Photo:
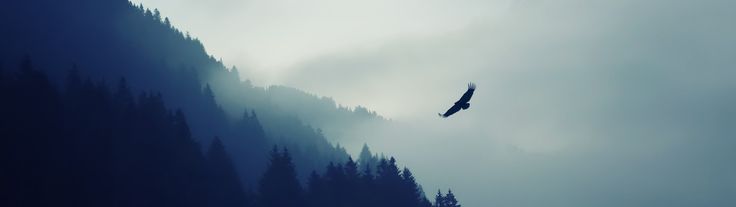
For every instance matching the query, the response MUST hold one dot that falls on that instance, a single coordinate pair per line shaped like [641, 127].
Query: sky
[579, 102]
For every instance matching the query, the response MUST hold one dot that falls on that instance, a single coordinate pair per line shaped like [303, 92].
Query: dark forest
[104, 103]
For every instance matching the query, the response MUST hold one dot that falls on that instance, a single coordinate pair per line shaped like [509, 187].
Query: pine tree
[224, 185]
[208, 94]
[450, 200]
[278, 186]
[123, 97]
[388, 184]
[351, 170]
[156, 15]
[410, 190]
[351, 182]
[235, 73]
[439, 200]
[367, 187]
[366, 159]
[335, 178]
[317, 195]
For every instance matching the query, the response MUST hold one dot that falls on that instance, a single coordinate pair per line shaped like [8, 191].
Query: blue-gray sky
[579, 103]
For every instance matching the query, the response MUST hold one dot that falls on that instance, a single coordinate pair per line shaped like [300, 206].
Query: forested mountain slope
[110, 39]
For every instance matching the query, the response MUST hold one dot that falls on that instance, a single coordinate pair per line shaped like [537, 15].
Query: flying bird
[462, 103]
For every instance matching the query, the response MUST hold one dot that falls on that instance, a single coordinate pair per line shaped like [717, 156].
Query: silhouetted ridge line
[93, 144]
[108, 39]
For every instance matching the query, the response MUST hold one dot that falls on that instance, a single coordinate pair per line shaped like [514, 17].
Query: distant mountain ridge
[109, 105]
[338, 123]
[110, 39]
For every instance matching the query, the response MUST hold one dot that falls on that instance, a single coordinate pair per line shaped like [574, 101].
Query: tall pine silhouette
[279, 186]
[224, 188]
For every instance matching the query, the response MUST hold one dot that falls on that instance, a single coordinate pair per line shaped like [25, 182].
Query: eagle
[462, 103]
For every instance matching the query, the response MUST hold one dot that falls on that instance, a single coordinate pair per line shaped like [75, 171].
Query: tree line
[340, 185]
[109, 39]
[91, 144]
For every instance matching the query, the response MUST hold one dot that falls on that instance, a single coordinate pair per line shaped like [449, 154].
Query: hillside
[109, 103]
[110, 39]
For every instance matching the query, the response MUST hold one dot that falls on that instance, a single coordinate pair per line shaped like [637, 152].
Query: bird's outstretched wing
[468, 94]
[451, 111]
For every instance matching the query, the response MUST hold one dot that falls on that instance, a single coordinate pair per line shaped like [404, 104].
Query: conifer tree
[279, 186]
[224, 185]
[351, 182]
[411, 194]
[351, 172]
[450, 200]
[317, 194]
[365, 158]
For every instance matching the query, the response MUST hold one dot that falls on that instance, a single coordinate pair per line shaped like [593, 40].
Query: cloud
[265, 36]
[579, 103]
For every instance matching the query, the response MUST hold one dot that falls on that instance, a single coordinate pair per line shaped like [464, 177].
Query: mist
[579, 103]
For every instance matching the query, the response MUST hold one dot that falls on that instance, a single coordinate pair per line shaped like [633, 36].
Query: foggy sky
[579, 103]
[267, 36]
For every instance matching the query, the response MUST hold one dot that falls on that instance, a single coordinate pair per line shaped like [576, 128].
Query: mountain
[88, 144]
[110, 39]
[338, 123]
[176, 123]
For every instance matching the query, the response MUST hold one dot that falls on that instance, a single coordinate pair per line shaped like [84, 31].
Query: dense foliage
[90, 145]
[173, 127]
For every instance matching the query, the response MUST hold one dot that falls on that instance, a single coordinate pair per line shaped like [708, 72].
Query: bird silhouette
[462, 103]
